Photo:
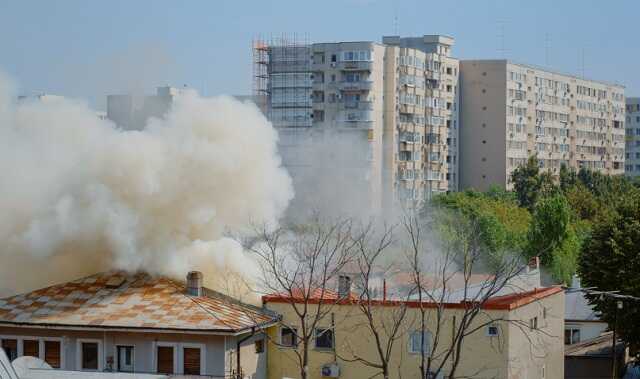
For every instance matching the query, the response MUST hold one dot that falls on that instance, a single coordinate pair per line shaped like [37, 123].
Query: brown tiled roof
[122, 300]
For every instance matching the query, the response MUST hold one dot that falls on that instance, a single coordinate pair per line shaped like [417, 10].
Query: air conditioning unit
[331, 370]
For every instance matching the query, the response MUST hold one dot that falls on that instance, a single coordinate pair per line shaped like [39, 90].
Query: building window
[324, 338]
[492, 331]
[125, 358]
[52, 353]
[191, 360]
[334, 57]
[164, 360]
[571, 336]
[31, 348]
[10, 347]
[415, 342]
[288, 337]
[533, 323]
[89, 356]
[259, 345]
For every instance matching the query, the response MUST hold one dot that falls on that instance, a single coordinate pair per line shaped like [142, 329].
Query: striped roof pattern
[118, 299]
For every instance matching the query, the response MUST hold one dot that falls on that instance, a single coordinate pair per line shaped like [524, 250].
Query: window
[533, 323]
[324, 338]
[31, 348]
[288, 337]
[571, 336]
[191, 361]
[333, 58]
[259, 345]
[52, 353]
[125, 358]
[492, 331]
[10, 347]
[164, 360]
[89, 357]
[416, 340]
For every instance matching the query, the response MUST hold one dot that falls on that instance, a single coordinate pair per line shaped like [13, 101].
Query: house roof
[506, 302]
[597, 346]
[120, 300]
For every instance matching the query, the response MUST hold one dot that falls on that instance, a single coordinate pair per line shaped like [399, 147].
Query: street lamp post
[613, 342]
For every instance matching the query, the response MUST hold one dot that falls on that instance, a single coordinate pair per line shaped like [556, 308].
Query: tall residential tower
[511, 111]
[374, 124]
[632, 161]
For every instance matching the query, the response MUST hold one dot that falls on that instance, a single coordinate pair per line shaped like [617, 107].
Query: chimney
[344, 286]
[534, 264]
[194, 283]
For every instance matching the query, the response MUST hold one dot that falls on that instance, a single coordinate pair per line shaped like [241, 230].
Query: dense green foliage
[543, 216]
[610, 261]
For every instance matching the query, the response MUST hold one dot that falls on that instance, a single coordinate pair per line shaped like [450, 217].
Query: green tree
[552, 237]
[610, 261]
[530, 185]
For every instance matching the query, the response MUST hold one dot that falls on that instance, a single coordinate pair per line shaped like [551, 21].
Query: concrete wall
[218, 359]
[482, 151]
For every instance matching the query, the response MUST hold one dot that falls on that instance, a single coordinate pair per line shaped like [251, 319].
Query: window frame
[571, 329]
[427, 338]
[488, 330]
[203, 356]
[295, 336]
[315, 338]
[116, 361]
[41, 340]
[154, 352]
[100, 357]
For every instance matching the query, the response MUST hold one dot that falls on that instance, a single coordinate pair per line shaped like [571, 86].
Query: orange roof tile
[139, 301]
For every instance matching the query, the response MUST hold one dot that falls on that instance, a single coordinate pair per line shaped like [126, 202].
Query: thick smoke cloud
[79, 196]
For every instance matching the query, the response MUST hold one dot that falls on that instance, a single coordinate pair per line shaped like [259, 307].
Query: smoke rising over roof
[78, 195]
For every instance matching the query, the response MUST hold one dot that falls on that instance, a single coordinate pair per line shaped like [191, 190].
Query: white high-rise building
[373, 124]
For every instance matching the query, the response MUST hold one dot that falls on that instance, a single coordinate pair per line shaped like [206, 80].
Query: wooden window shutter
[165, 360]
[31, 348]
[52, 353]
[191, 361]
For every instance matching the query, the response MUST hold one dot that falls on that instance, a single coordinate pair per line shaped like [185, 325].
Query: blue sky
[86, 49]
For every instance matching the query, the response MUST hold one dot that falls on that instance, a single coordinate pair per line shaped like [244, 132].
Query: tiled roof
[122, 300]
[506, 302]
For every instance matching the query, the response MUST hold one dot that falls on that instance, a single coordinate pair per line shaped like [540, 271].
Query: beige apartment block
[510, 111]
[632, 146]
[364, 125]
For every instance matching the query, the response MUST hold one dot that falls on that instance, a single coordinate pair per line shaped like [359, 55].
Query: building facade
[375, 119]
[131, 112]
[529, 345]
[136, 323]
[511, 111]
[632, 146]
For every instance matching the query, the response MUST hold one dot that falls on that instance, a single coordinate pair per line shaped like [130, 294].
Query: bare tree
[300, 266]
[461, 255]
[384, 320]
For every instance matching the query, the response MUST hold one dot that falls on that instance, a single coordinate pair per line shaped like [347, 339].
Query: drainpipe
[240, 341]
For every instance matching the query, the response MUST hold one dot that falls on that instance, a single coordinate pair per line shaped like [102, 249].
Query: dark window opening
[324, 338]
[89, 356]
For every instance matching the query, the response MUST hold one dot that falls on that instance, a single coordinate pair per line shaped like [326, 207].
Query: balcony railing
[355, 66]
[356, 86]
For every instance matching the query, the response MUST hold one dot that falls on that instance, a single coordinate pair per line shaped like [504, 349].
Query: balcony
[355, 66]
[362, 105]
[356, 86]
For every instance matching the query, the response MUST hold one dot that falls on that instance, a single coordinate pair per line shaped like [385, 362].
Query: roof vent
[114, 282]
[344, 286]
[194, 283]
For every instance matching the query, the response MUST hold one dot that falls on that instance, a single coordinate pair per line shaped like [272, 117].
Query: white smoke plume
[78, 195]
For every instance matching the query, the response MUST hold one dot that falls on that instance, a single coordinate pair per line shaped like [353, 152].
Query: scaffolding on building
[282, 80]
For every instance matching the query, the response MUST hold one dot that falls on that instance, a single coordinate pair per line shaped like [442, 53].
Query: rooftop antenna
[547, 49]
[396, 27]
[502, 50]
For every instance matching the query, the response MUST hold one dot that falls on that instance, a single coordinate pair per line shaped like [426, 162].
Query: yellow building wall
[482, 356]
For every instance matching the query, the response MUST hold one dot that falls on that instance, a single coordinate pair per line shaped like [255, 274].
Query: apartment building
[517, 335]
[376, 120]
[632, 146]
[510, 111]
[131, 112]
